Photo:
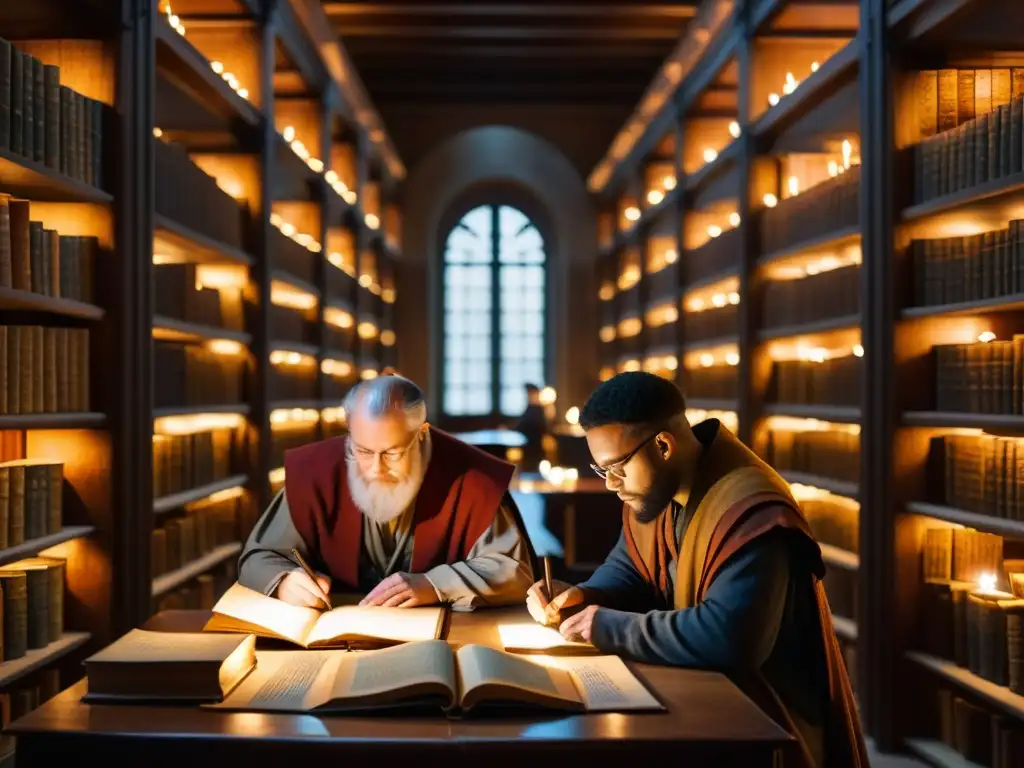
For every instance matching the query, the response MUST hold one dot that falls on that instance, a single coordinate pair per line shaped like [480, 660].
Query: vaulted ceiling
[482, 52]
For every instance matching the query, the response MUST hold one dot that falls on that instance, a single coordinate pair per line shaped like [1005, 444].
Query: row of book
[715, 257]
[825, 208]
[950, 270]
[293, 382]
[176, 295]
[834, 520]
[31, 500]
[978, 734]
[43, 369]
[714, 382]
[188, 195]
[960, 555]
[33, 605]
[835, 293]
[712, 323]
[983, 474]
[40, 260]
[827, 453]
[183, 462]
[977, 132]
[295, 259]
[834, 381]
[983, 377]
[202, 593]
[181, 540]
[190, 375]
[26, 695]
[291, 436]
[46, 122]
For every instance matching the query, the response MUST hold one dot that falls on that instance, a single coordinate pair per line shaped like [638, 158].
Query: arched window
[494, 312]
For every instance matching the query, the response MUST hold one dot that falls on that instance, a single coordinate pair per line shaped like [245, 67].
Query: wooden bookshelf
[176, 185]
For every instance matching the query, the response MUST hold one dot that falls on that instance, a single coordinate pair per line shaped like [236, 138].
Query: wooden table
[709, 722]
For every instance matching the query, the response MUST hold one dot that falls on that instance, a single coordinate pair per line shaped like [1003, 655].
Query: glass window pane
[477, 401]
[513, 401]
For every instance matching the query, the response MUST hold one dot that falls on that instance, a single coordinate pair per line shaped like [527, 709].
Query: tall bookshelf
[197, 256]
[791, 228]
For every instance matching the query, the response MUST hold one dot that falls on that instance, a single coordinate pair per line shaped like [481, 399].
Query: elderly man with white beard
[396, 510]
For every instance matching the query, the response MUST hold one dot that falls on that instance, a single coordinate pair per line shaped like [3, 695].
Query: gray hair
[387, 394]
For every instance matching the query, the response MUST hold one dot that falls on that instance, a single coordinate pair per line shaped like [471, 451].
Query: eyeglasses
[390, 457]
[616, 468]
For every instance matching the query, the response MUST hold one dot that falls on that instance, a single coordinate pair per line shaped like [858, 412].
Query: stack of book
[46, 122]
[834, 381]
[983, 377]
[825, 208]
[834, 520]
[827, 295]
[182, 462]
[181, 540]
[950, 270]
[190, 375]
[176, 296]
[971, 127]
[828, 453]
[983, 474]
[982, 737]
[44, 370]
[31, 500]
[33, 605]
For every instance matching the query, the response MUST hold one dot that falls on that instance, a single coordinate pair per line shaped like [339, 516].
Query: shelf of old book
[34, 546]
[844, 488]
[26, 178]
[167, 582]
[68, 420]
[993, 422]
[177, 243]
[813, 330]
[1011, 303]
[38, 658]
[839, 414]
[171, 329]
[715, 165]
[216, 488]
[841, 245]
[988, 523]
[30, 301]
[998, 696]
[209, 82]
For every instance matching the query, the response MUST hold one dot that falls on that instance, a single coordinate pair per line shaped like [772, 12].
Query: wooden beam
[367, 50]
[474, 32]
[633, 11]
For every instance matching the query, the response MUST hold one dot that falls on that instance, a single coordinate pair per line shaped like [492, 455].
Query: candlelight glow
[572, 416]
[734, 129]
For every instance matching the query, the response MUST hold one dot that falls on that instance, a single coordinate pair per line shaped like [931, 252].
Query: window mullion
[495, 314]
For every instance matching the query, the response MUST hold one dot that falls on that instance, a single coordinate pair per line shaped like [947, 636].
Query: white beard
[383, 502]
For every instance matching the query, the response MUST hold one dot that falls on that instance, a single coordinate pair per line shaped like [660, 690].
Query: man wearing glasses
[715, 568]
[396, 510]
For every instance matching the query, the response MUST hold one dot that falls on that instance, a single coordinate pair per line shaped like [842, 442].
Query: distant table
[709, 722]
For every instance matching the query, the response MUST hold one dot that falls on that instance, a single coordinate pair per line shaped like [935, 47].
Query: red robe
[736, 498]
[456, 504]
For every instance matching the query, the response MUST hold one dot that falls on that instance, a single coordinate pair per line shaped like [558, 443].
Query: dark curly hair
[635, 398]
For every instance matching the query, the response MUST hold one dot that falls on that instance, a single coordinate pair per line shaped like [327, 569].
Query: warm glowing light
[315, 164]
[814, 66]
[194, 423]
[770, 200]
[710, 155]
[732, 358]
[987, 582]
[285, 295]
[632, 213]
[707, 360]
[219, 277]
[288, 133]
[366, 280]
[388, 295]
[372, 221]
[734, 129]
[606, 292]
[350, 197]
[795, 424]
[714, 230]
[630, 326]
[773, 99]
[607, 334]
[729, 419]
[671, 256]
[548, 396]
[287, 357]
[734, 219]
[794, 186]
[387, 338]
[338, 317]
[228, 347]
[986, 336]
[367, 330]
[847, 153]
[655, 196]
[833, 168]
[790, 85]
[606, 373]
[217, 67]
[334, 415]
[858, 350]
[293, 417]
[339, 368]
[276, 476]
[718, 300]
[733, 297]
[157, 132]
[367, 373]
[668, 183]
[572, 416]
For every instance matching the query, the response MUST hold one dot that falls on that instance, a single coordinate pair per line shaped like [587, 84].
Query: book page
[530, 637]
[392, 625]
[286, 681]
[489, 674]
[243, 607]
[406, 671]
[604, 682]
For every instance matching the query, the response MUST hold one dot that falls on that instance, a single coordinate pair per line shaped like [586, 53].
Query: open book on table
[245, 610]
[432, 673]
[530, 637]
